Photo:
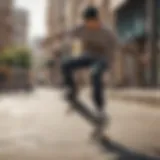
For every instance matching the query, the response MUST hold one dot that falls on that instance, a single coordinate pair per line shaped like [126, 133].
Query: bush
[22, 59]
[6, 60]
[16, 57]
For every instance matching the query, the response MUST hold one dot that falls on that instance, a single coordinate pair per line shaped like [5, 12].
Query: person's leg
[98, 70]
[68, 68]
[98, 94]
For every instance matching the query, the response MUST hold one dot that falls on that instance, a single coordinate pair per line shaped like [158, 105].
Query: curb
[151, 100]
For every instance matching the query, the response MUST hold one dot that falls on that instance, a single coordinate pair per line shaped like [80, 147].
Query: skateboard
[87, 114]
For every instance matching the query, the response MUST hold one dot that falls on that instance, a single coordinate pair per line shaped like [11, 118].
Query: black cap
[90, 13]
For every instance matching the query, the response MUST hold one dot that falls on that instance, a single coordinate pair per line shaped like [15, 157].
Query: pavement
[35, 127]
[148, 96]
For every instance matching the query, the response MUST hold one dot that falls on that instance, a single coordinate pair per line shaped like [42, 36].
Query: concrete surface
[35, 127]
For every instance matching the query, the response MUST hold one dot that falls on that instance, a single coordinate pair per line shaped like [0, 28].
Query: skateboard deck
[85, 112]
[88, 115]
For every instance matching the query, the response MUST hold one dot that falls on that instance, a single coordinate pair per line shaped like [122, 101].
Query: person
[99, 44]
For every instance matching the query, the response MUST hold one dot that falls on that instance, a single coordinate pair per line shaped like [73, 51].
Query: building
[5, 23]
[39, 58]
[55, 16]
[118, 79]
[55, 21]
[55, 24]
[133, 23]
[130, 24]
[21, 26]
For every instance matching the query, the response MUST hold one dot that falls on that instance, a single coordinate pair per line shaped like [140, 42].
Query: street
[35, 127]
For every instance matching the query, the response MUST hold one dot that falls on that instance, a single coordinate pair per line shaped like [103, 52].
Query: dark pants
[98, 66]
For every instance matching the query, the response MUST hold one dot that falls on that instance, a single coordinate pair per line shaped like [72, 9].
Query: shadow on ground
[111, 146]
[123, 152]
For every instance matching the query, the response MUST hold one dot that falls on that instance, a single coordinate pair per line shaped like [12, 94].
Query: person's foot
[101, 117]
[100, 126]
[99, 136]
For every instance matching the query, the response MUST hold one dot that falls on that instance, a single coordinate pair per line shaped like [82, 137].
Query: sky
[36, 10]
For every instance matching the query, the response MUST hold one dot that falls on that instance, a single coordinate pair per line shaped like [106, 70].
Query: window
[131, 24]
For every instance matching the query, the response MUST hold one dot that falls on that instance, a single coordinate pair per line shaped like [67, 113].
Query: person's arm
[75, 32]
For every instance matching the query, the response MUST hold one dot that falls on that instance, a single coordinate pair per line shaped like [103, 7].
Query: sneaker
[101, 117]
[100, 126]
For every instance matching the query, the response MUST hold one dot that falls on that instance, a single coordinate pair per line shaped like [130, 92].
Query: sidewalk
[149, 96]
[36, 127]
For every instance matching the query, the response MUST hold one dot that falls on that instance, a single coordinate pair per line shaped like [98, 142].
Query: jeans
[98, 66]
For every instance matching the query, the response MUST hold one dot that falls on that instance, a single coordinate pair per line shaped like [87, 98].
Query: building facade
[118, 79]
[21, 26]
[134, 27]
[55, 16]
[55, 21]
[55, 24]
[39, 59]
[5, 23]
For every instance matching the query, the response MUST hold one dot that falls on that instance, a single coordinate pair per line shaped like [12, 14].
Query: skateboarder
[99, 44]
